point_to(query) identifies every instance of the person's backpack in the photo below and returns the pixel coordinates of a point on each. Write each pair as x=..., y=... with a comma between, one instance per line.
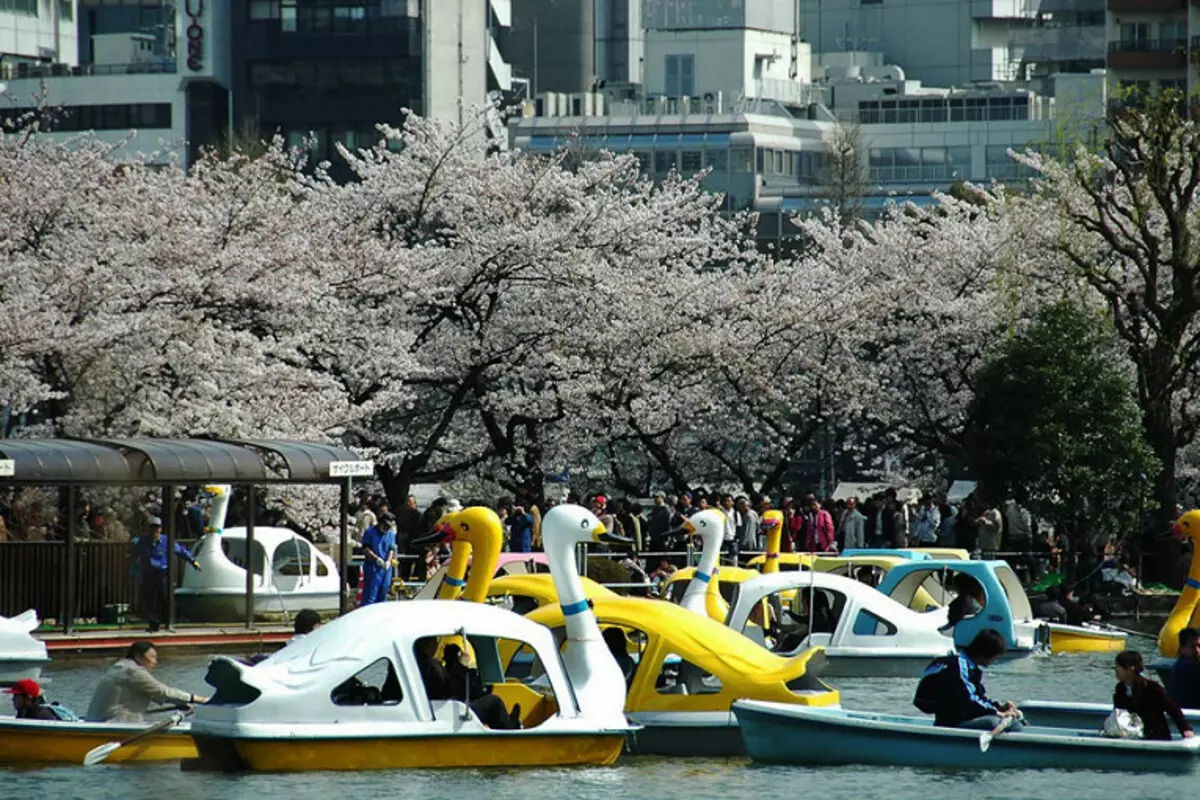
x=63, y=713
x=931, y=689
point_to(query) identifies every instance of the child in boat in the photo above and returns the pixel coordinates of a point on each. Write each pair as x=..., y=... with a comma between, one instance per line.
x=30, y=703
x=952, y=687
x=1146, y=698
x=969, y=601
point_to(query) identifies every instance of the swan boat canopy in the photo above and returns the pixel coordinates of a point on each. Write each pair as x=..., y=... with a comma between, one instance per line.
x=21, y=654
x=290, y=574
x=349, y=696
x=684, y=671
x=863, y=631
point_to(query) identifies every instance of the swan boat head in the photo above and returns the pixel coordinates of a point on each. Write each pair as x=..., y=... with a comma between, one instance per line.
x=475, y=536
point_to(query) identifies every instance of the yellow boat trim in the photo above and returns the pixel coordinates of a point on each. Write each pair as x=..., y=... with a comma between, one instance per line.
x=500, y=749
x=540, y=588
x=26, y=746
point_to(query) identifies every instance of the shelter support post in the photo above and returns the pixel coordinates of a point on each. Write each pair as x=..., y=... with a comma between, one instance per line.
x=70, y=567
x=250, y=565
x=343, y=544
x=169, y=518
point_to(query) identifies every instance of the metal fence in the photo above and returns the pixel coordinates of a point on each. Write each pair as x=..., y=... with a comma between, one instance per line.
x=32, y=575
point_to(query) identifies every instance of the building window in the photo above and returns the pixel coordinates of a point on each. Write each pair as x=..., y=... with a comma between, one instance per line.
x=717, y=161
x=113, y=117
x=681, y=76
x=336, y=16
x=664, y=161
x=690, y=162
x=335, y=75
x=29, y=7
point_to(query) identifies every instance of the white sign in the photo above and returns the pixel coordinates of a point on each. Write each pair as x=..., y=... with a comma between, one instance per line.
x=351, y=469
x=8, y=468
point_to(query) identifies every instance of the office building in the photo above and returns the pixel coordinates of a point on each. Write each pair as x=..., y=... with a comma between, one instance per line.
x=1153, y=44
x=36, y=33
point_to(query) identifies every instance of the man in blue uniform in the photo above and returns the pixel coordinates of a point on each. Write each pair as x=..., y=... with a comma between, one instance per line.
x=379, y=556
x=952, y=687
x=150, y=552
x=1184, y=683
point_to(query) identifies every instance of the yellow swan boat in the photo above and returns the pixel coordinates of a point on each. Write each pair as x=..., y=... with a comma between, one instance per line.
x=1186, y=613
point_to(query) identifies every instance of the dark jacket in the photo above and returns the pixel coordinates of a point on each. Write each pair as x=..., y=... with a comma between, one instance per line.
x=1184, y=684
x=1149, y=700
x=954, y=684
x=39, y=711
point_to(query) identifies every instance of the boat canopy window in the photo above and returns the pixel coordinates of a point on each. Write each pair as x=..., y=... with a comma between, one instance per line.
x=373, y=685
x=293, y=557
x=627, y=646
x=683, y=677
x=869, y=624
x=234, y=549
x=1017, y=599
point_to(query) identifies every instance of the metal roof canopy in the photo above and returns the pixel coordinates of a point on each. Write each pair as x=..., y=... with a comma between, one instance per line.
x=126, y=462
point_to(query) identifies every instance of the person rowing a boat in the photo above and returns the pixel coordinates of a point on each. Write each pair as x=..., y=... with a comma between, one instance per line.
x=952, y=687
x=128, y=688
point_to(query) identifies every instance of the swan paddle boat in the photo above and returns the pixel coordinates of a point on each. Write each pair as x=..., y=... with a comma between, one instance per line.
x=862, y=631
x=37, y=741
x=1186, y=612
x=788, y=734
x=349, y=695
x=21, y=654
x=699, y=589
x=290, y=574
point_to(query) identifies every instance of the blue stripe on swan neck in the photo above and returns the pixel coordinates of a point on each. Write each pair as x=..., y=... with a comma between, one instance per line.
x=703, y=577
x=454, y=581
x=1192, y=583
x=571, y=609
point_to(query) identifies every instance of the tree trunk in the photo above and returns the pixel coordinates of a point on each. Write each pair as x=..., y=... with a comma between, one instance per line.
x=1163, y=565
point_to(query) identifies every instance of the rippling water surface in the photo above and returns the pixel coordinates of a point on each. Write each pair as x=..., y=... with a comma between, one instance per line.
x=1084, y=678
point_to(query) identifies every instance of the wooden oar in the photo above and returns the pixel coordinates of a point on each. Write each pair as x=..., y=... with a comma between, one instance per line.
x=985, y=739
x=98, y=754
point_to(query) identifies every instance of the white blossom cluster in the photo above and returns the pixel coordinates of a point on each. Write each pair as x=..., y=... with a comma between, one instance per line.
x=454, y=315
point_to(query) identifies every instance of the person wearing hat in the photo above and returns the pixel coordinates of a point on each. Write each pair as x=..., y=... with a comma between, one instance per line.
x=29, y=702
x=151, y=555
x=379, y=557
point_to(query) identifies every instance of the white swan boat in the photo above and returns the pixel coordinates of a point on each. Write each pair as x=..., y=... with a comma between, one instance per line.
x=863, y=632
x=21, y=654
x=350, y=695
x=290, y=574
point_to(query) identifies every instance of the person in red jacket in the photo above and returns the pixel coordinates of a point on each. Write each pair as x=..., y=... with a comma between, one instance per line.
x=1148, y=699
x=819, y=536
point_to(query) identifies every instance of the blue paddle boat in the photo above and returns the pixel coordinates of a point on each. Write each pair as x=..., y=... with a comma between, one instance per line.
x=1006, y=607
x=784, y=734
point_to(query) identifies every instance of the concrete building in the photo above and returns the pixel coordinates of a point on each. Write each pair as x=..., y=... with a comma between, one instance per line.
x=184, y=74
x=36, y=35
x=569, y=45
x=772, y=157
x=160, y=105
x=1153, y=44
x=332, y=71
x=953, y=42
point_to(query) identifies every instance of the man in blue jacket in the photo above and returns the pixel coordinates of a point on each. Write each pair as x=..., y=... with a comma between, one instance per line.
x=952, y=687
x=1184, y=683
x=150, y=553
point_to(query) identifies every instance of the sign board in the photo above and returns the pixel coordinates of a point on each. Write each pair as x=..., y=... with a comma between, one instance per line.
x=8, y=468
x=351, y=469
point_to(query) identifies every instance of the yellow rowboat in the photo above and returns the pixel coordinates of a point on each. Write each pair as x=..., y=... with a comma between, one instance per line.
x=1085, y=639
x=36, y=741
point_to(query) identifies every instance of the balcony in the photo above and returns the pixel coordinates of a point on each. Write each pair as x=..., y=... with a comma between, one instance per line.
x=23, y=70
x=1149, y=6
x=1162, y=54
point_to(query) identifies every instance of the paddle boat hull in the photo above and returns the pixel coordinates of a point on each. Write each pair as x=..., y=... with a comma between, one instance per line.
x=1084, y=639
x=784, y=734
x=35, y=741
x=470, y=750
x=229, y=604
x=1056, y=714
